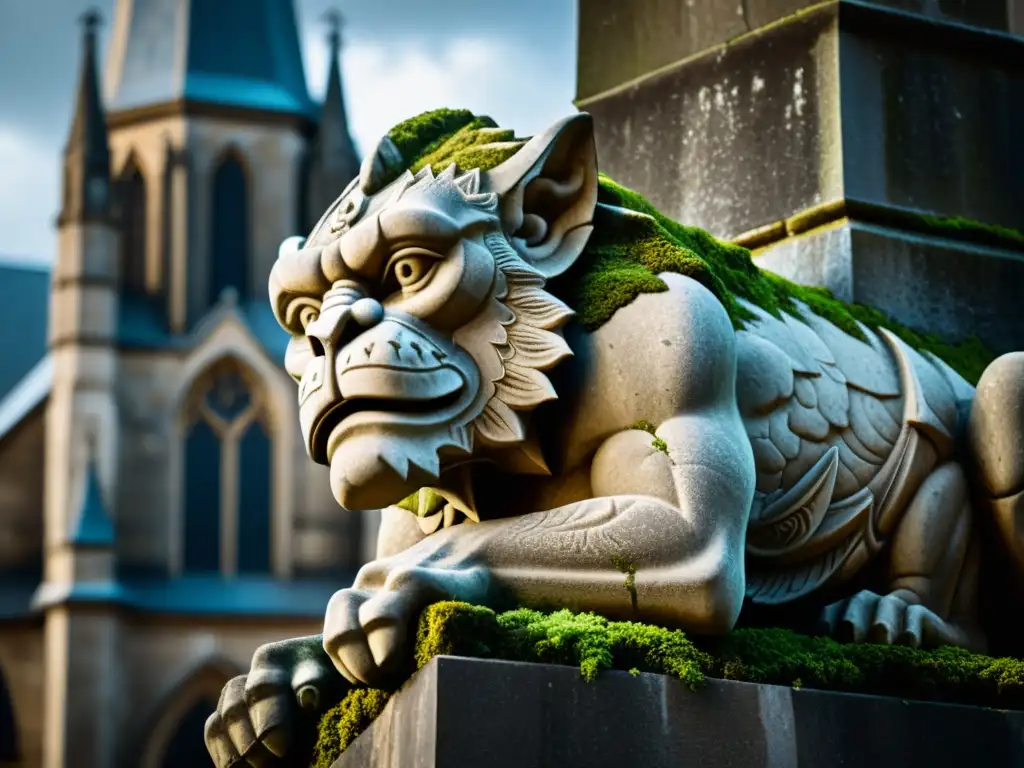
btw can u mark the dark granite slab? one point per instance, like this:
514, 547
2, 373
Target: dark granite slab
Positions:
464, 712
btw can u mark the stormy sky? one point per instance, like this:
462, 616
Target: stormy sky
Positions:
401, 57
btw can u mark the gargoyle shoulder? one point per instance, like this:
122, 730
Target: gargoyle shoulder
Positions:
674, 349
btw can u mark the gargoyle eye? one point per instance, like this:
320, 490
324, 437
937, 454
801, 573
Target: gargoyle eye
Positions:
413, 267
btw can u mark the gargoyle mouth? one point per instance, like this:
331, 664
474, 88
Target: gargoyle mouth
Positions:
389, 407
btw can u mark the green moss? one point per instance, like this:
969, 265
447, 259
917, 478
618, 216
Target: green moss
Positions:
477, 145
421, 134
978, 231
772, 656
658, 444
782, 657
340, 725
625, 254
456, 629
623, 565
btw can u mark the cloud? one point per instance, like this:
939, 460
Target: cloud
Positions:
29, 191
385, 84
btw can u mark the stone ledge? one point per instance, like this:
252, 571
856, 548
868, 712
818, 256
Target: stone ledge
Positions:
951, 288
462, 712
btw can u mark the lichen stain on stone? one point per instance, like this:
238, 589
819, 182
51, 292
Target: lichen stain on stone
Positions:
799, 99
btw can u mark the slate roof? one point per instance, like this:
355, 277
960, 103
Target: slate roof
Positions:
240, 53
24, 304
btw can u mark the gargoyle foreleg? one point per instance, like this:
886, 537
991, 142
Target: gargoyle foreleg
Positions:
663, 542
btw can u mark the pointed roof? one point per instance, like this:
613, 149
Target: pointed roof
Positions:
93, 527
87, 152
334, 140
332, 161
235, 53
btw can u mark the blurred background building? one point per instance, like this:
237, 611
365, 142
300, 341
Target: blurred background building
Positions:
160, 516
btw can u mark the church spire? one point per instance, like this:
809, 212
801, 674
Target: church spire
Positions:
87, 153
334, 101
334, 162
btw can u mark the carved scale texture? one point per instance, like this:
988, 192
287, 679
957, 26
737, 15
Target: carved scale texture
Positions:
817, 403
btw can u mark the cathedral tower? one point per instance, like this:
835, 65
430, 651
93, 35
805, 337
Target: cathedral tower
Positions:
81, 442
184, 524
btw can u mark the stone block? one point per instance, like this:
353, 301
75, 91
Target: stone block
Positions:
951, 288
619, 41
932, 124
462, 712
737, 139
843, 101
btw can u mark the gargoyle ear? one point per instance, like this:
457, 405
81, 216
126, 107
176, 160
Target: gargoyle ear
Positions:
547, 192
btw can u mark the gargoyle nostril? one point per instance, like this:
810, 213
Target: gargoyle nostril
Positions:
317, 346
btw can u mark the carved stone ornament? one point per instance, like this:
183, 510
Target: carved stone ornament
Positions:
787, 456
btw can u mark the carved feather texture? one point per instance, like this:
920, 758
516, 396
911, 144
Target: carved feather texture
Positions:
537, 348
825, 412
537, 307
528, 344
524, 388
500, 424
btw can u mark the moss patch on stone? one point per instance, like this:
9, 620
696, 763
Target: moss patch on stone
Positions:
657, 444
339, 726
772, 656
625, 254
976, 231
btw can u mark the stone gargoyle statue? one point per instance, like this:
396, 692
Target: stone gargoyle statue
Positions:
543, 387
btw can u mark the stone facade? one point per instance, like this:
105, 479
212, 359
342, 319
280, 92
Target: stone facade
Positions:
113, 646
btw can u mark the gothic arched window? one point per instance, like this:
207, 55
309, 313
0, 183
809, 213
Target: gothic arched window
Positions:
229, 227
133, 230
228, 475
187, 747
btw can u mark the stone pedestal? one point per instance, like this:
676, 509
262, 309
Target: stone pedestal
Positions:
464, 712
774, 122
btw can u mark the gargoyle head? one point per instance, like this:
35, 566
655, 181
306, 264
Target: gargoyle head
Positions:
420, 325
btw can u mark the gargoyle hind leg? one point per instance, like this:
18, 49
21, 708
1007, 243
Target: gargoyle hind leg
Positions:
933, 574
995, 436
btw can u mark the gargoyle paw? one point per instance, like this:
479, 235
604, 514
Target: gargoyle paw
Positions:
867, 617
368, 629
269, 716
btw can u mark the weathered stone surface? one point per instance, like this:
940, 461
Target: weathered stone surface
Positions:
735, 140
622, 41
951, 288
827, 105
933, 128
460, 712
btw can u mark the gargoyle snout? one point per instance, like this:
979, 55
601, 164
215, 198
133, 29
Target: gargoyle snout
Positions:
345, 313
